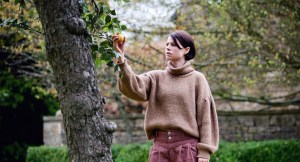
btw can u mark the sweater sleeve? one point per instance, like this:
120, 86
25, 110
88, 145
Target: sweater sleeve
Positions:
136, 87
207, 123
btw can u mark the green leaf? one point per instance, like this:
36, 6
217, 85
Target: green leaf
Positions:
111, 28
107, 19
104, 43
105, 29
101, 49
105, 57
102, 17
97, 62
89, 16
123, 27
115, 20
111, 64
94, 47
117, 68
113, 12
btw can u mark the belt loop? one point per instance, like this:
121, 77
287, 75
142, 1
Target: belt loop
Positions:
156, 134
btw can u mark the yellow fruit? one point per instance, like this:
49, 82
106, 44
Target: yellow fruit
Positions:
121, 38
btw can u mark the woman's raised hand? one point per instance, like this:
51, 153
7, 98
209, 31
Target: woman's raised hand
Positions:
118, 43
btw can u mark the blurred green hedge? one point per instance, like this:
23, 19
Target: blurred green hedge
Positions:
262, 151
47, 154
271, 151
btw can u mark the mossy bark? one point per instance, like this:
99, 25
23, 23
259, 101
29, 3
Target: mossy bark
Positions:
89, 134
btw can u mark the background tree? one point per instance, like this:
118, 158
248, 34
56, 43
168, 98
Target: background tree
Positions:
248, 50
25, 93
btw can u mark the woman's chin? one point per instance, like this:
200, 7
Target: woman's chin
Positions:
169, 58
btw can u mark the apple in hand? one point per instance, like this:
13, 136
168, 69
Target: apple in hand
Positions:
121, 38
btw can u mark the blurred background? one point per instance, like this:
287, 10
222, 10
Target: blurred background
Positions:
248, 50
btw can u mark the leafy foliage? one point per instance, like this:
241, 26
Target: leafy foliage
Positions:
101, 24
24, 96
22, 76
15, 151
271, 151
133, 152
49, 154
22, 104
246, 47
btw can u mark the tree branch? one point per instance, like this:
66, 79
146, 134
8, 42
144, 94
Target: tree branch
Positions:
162, 32
262, 100
138, 61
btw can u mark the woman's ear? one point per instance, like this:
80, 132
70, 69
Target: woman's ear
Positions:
187, 50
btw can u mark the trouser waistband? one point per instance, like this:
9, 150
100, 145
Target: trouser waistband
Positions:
168, 136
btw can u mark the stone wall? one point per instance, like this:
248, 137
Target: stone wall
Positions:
130, 129
238, 126
234, 126
53, 131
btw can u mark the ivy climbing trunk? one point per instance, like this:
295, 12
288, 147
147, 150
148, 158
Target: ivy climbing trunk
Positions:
89, 134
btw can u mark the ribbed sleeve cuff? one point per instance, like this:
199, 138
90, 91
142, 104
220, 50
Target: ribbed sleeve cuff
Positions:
203, 154
123, 66
205, 150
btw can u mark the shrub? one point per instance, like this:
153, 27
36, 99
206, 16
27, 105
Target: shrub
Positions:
227, 152
133, 153
116, 149
271, 151
254, 151
22, 106
47, 154
13, 152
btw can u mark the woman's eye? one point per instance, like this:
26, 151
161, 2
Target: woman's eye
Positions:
171, 44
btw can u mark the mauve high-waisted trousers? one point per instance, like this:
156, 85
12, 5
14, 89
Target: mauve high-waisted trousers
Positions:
173, 146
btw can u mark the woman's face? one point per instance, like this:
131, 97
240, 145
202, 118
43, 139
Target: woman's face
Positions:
173, 53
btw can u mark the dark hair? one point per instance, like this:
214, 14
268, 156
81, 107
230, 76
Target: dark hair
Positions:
186, 40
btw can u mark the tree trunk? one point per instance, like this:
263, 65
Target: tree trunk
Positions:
89, 134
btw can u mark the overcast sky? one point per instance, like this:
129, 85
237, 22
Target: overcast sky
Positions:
146, 14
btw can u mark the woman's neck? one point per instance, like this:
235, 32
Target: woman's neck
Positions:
178, 63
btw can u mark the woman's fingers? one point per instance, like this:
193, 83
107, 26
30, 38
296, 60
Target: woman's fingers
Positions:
124, 40
118, 43
115, 38
118, 39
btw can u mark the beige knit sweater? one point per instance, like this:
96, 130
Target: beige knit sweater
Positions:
179, 98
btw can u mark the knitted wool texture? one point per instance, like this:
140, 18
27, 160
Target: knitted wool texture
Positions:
179, 98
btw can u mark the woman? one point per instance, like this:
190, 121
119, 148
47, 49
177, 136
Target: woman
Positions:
181, 114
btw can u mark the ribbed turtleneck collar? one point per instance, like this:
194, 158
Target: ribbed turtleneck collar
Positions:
184, 69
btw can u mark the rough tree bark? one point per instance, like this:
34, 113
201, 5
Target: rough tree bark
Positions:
89, 134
